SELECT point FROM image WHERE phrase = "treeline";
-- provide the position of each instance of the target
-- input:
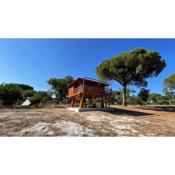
(144, 97)
(15, 94)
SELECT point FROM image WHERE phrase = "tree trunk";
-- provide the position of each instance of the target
(60, 99)
(124, 95)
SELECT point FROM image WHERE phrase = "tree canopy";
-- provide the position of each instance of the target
(60, 86)
(169, 86)
(144, 94)
(10, 94)
(158, 99)
(36, 99)
(131, 68)
(14, 94)
(23, 86)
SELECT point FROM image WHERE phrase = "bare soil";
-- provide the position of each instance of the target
(54, 121)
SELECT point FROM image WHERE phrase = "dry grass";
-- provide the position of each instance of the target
(54, 121)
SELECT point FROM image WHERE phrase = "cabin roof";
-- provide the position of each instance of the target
(89, 81)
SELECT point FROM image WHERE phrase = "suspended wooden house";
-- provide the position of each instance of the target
(84, 91)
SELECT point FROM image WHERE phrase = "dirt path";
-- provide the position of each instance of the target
(124, 121)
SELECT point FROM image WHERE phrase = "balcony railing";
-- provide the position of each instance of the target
(90, 89)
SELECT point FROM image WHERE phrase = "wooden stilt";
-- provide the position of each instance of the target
(72, 102)
(102, 102)
(105, 103)
(75, 102)
(81, 101)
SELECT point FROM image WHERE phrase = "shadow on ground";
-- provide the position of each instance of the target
(159, 108)
(119, 111)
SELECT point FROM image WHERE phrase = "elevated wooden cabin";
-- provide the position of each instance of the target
(85, 88)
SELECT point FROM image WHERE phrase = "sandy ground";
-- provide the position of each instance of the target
(123, 121)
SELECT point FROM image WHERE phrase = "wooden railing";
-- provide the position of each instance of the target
(88, 88)
(77, 90)
(94, 89)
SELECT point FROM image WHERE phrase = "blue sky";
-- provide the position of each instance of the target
(34, 61)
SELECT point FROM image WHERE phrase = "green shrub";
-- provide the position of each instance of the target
(144, 94)
(134, 100)
(28, 93)
(172, 101)
(10, 94)
(36, 99)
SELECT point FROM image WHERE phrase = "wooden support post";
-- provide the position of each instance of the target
(72, 102)
(102, 102)
(105, 102)
(81, 101)
(76, 98)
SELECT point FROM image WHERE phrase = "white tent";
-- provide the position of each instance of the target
(26, 103)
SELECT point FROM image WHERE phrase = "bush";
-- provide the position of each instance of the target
(172, 101)
(144, 94)
(28, 93)
(36, 99)
(163, 102)
(158, 99)
(134, 100)
(10, 94)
